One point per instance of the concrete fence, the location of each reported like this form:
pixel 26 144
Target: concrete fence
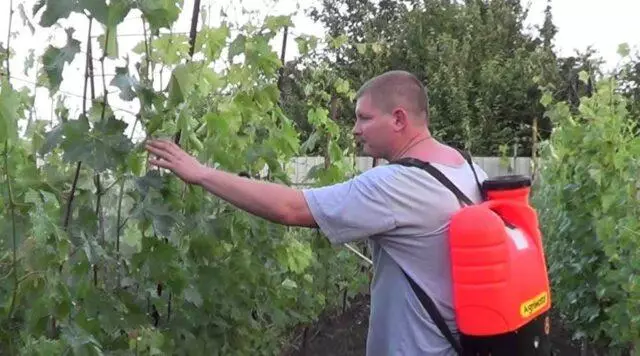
pixel 299 167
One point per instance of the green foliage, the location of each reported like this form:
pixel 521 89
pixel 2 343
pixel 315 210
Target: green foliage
pixel 101 147
pixel 101 255
pixel 628 74
pixel 475 57
pixel 54 59
pixel 8 114
pixel 588 199
pixel 324 88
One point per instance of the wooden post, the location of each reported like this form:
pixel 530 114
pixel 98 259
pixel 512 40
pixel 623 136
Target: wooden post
pixel 282 54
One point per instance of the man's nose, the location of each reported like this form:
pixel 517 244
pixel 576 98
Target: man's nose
pixel 356 130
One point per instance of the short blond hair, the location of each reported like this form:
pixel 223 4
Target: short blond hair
pixel 394 88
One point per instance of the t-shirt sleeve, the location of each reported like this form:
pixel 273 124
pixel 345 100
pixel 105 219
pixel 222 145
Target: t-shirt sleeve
pixel 355 209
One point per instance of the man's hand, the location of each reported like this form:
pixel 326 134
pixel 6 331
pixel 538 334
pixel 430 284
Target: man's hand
pixel 172 157
pixel 271 201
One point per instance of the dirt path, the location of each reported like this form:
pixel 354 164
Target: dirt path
pixel 345 335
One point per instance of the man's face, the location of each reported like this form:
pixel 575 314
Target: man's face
pixel 373 128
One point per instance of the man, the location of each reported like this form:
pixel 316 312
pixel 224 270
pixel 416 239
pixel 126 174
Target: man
pixel 403 211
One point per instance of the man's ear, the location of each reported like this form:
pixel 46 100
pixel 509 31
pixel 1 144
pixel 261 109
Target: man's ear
pixel 400 118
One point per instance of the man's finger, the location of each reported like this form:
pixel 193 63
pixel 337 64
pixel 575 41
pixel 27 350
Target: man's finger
pixel 168 146
pixel 161 163
pixel 162 144
pixel 159 152
pixel 175 149
pixel 173 145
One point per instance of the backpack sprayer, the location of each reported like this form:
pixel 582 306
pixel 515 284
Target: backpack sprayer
pixel 501 293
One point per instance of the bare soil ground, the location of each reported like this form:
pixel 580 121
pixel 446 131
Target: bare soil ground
pixel 345 334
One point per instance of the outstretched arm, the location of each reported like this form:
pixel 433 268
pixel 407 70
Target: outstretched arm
pixel 271 201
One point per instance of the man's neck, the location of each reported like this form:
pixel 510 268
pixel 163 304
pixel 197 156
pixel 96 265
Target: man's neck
pixel 419 139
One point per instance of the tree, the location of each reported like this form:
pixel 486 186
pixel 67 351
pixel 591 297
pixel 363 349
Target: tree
pixel 477 61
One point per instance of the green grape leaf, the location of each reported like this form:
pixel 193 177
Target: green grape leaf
pixel 546 99
pixel 152 179
pixel 44 214
pixel 98 9
pixel 166 48
pixel 109 15
pixel 287 140
pixel 192 295
pixel 93 251
pixel 54 59
pixel 110 48
pixel 306 43
pixel 318 116
pixel 211 41
pixel 80 340
pixel 341 86
pixel 237 46
pixel 9 105
pixel 289 284
pixel 98 110
pixel 131 240
pixel 275 23
pixel 76 138
pixel 258 52
pixel 54 10
pixel 310 144
pixel 52 139
pixel 361 48
pixel 338 41
pixel 298 256
pixel 38 6
pixel 335 153
pixel 181 82
pixel 118 11
pixel 102 148
pixel 583 76
pixel 125 82
pixel 156 210
pixel 160 13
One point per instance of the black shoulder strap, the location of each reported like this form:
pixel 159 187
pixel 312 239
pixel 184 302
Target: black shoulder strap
pixel 470 161
pixel 425 300
pixel 437 318
pixel 412 162
pixel 482 192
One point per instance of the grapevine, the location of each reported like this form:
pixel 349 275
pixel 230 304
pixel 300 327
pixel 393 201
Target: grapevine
pixel 101 254
pixel 108 255
pixel 587 196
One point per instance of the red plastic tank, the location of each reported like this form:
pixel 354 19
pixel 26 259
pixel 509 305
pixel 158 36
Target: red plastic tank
pixel 499 270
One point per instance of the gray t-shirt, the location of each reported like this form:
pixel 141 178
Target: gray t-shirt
pixel 404 212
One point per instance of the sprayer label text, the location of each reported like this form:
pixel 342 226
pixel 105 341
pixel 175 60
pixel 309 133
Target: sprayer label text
pixel 533 305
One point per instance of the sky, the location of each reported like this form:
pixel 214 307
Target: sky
pixel 581 23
